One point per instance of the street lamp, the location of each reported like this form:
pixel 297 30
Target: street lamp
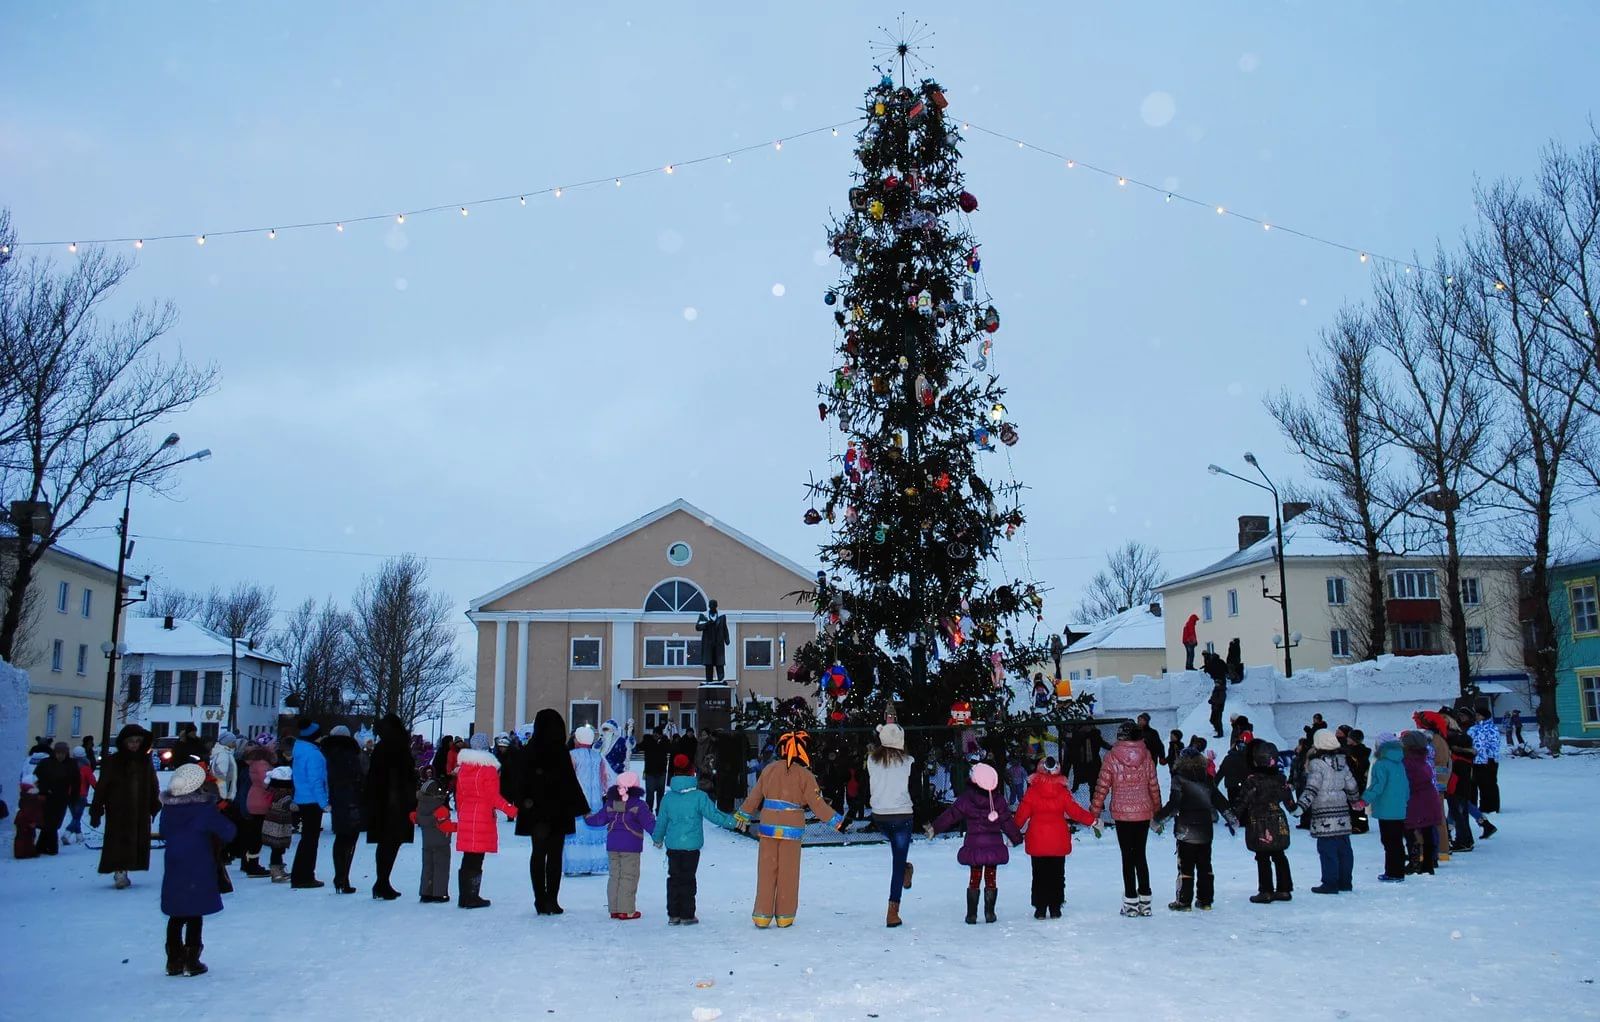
pixel 113 650
pixel 1282 598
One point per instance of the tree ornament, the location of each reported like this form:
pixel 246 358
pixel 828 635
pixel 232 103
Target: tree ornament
pixel 957 550
pixel 875 209
pixel 974 264
pixel 967 201
pixel 878 108
pixel 865 463
pixel 822 410
pixel 841 381
pixel 880 385
pixel 1008 435
pixel 980 436
pixel 880 533
pixel 943 482
pixel 960 715
pixel 997 413
pixel 918 109
pixel 991 319
pixel 966 290
pixel 829 298
pixel 935 96
pixel 858 199
pixel 910 492
pixel 813 517
pixel 925 303
pixel 850 455
pixel 925 392
pixel 890 183
pixel 905 363
pixel 997 668
pixel 857 313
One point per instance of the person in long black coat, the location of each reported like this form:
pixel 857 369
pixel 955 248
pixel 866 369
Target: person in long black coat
pixel 57 776
pixel 343 755
pixel 388 800
pixel 128 797
pixel 549 801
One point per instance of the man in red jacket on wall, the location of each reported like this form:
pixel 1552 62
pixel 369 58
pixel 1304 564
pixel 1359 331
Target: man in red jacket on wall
pixel 1190 641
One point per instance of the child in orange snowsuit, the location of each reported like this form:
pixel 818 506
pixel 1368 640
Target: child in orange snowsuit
pixel 783 793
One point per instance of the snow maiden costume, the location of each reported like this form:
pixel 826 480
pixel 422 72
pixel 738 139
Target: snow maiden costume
pixel 783 793
pixel 585 852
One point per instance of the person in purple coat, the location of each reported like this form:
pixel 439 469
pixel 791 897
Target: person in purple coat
pixel 989 823
pixel 627 819
pixel 1424 811
pixel 189 891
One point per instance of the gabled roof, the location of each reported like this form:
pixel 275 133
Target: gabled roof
pixel 1134 628
pixel 627 530
pixel 7 531
pixel 149 636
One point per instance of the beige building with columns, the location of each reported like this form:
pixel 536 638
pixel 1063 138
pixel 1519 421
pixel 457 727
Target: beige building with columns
pixel 607 632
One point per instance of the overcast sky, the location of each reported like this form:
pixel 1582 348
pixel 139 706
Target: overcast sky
pixel 495 390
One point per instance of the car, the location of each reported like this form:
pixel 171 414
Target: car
pixel 161 753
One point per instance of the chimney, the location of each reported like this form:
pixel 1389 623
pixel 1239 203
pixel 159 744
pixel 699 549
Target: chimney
pixel 166 623
pixel 1155 608
pixel 1253 529
pixel 1293 509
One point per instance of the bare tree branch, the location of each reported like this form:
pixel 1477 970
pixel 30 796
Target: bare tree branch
pixel 1129 578
pixel 403 646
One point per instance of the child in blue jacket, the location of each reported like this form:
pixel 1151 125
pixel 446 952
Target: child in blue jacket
pixel 679 827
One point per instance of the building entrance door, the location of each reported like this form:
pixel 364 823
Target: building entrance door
pixel 656 715
pixel 686 718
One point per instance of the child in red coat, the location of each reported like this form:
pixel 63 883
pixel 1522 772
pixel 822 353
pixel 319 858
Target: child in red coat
pixel 477 798
pixel 1044 811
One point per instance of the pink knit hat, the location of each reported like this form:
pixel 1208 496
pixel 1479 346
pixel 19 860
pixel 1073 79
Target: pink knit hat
pixel 626 782
pixel 983 776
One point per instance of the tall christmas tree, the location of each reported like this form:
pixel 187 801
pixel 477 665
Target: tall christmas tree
pixel 914 618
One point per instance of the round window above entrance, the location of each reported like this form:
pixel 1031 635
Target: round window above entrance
pixel 679 553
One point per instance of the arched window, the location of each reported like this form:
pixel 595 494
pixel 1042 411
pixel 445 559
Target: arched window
pixel 676 596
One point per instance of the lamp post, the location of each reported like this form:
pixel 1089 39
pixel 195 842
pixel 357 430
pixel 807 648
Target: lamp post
pixel 1288 640
pixel 113 650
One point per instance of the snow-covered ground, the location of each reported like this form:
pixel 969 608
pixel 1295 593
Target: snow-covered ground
pixel 1514 925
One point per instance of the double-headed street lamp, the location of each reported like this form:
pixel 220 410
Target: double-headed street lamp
pixel 112 649
pixel 1284 640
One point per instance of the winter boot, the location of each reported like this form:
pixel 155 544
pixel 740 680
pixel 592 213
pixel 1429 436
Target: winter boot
pixel 467 886
pixel 1130 908
pixel 175 958
pixel 1038 911
pixel 893 918
pixel 253 867
pixel 1205 891
pixel 989 896
pixel 1144 905
pixel 122 882
pixel 1488 830
pixel 972 906
pixel 1264 898
pixel 1055 911
pixel 278 873
pixel 192 965
pixel 906 881
pixel 1185 897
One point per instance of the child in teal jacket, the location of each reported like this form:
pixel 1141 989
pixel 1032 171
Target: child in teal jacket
pixel 1387 795
pixel 679 827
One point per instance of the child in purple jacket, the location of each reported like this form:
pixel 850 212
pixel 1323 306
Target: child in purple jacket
pixel 989 823
pixel 627 820
pixel 1424 810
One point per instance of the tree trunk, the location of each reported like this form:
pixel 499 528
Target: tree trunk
pixel 1457 612
pixel 1544 651
pixel 1377 609
pixel 16 596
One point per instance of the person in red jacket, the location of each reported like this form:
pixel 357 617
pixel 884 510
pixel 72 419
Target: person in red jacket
pixel 477 798
pixel 1128 777
pixel 1046 807
pixel 1190 641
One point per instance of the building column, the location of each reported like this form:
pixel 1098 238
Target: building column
pixel 497 717
pixel 621 667
pixel 522 673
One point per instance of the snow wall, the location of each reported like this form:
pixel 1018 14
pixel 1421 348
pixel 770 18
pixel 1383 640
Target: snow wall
pixel 1373 695
pixel 13 722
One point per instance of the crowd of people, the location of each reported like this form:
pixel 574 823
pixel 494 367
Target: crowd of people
pixel 240 801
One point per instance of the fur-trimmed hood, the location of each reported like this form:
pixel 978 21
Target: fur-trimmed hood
pixel 476 757
pixel 192 798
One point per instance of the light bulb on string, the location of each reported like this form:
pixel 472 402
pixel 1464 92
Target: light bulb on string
pixel 1122 182
pixel 139 243
pixel 200 240
pixel 669 168
pixel 778 145
pixel 998 412
pixel 617 182
pixel 835 132
pixel 399 218
pixel 558 193
pixel 1363 257
pixel 339 228
pixel 1019 145
pixel 1220 211
pixel 1169 196
pixel 463 211
pixel 72 246
pixel 272 234
pixel 1266 227
pixel 1071 164
pixel 522 199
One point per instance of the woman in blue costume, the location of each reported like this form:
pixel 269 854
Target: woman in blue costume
pixel 585 852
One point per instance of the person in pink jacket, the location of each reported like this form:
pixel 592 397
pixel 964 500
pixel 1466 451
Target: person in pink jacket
pixel 1128 776
pixel 477 798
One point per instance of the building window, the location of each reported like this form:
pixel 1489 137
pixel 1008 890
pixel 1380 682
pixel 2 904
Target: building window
pixel 57 651
pixel 1589 696
pixel 1088 672
pixel 758 654
pixel 1233 603
pixel 63 596
pixel 671 652
pixel 679 554
pixel 586 654
pixel 583 711
pixel 50 720
pixel 1205 608
pixel 210 730
pixel 1414 638
pixel 88 601
pixel 1072 675
pixel 1585 608
pixel 77 721
pixel 135 687
pixel 83 658
pixel 1211 647
pixel 159 729
pixel 1336 591
pixel 1477 641
pixel 161 691
pixel 676 596
pixel 1413 584
pixel 188 682
pixel 213 689
pixel 1339 643
pixel 1471 592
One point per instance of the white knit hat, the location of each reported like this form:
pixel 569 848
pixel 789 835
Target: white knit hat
pixel 186 780
pixel 892 736
pixel 584 735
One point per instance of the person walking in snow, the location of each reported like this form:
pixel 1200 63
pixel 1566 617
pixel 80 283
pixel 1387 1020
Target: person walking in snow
pixel 1487 747
pixel 343 758
pixel 549 802
pixel 626 820
pixel 679 828
pixel 388 800
pixel 1386 795
pixel 1128 778
pixel 889 787
pixel 1327 798
pixel 310 799
pixel 128 798
pixel 1083 756
pixel 57 779
pixel 86 784
pixel 1424 809
pixel 1194 803
pixel 1264 799
pixel 191 826
pixel 989 824
pixel 1044 814
pixel 477 799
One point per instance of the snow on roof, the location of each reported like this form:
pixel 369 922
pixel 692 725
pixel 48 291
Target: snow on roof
pixel 149 636
pixel 1134 628
pixel 8 532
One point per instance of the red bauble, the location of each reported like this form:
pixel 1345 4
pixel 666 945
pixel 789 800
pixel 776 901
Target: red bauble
pixel 967 201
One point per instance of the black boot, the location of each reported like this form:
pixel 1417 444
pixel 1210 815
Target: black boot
pixel 989 895
pixel 192 966
pixel 1488 830
pixel 175 958
pixel 972 906
pixel 1185 899
pixel 467 887
pixel 1206 889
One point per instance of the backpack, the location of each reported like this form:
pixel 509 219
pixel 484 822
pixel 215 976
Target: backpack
pixel 1268 830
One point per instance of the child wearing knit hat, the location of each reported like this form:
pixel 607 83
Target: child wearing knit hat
pixel 189 886
pixel 989 823
pixel 627 819
pixel 680 829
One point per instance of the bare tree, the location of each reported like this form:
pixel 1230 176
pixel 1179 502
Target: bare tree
pixel 1523 352
pixel 1440 412
pixel 404 648
pixel 85 392
pixel 316 642
pixel 1346 451
pixel 1129 578
pixel 243 612
pixel 174 603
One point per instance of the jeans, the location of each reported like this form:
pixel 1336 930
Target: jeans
pixel 77 807
pixel 1188 655
pixel 654 787
pixel 304 870
pixel 1393 835
pixel 681 885
pixel 1338 862
pixel 1131 838
pixel 897 831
